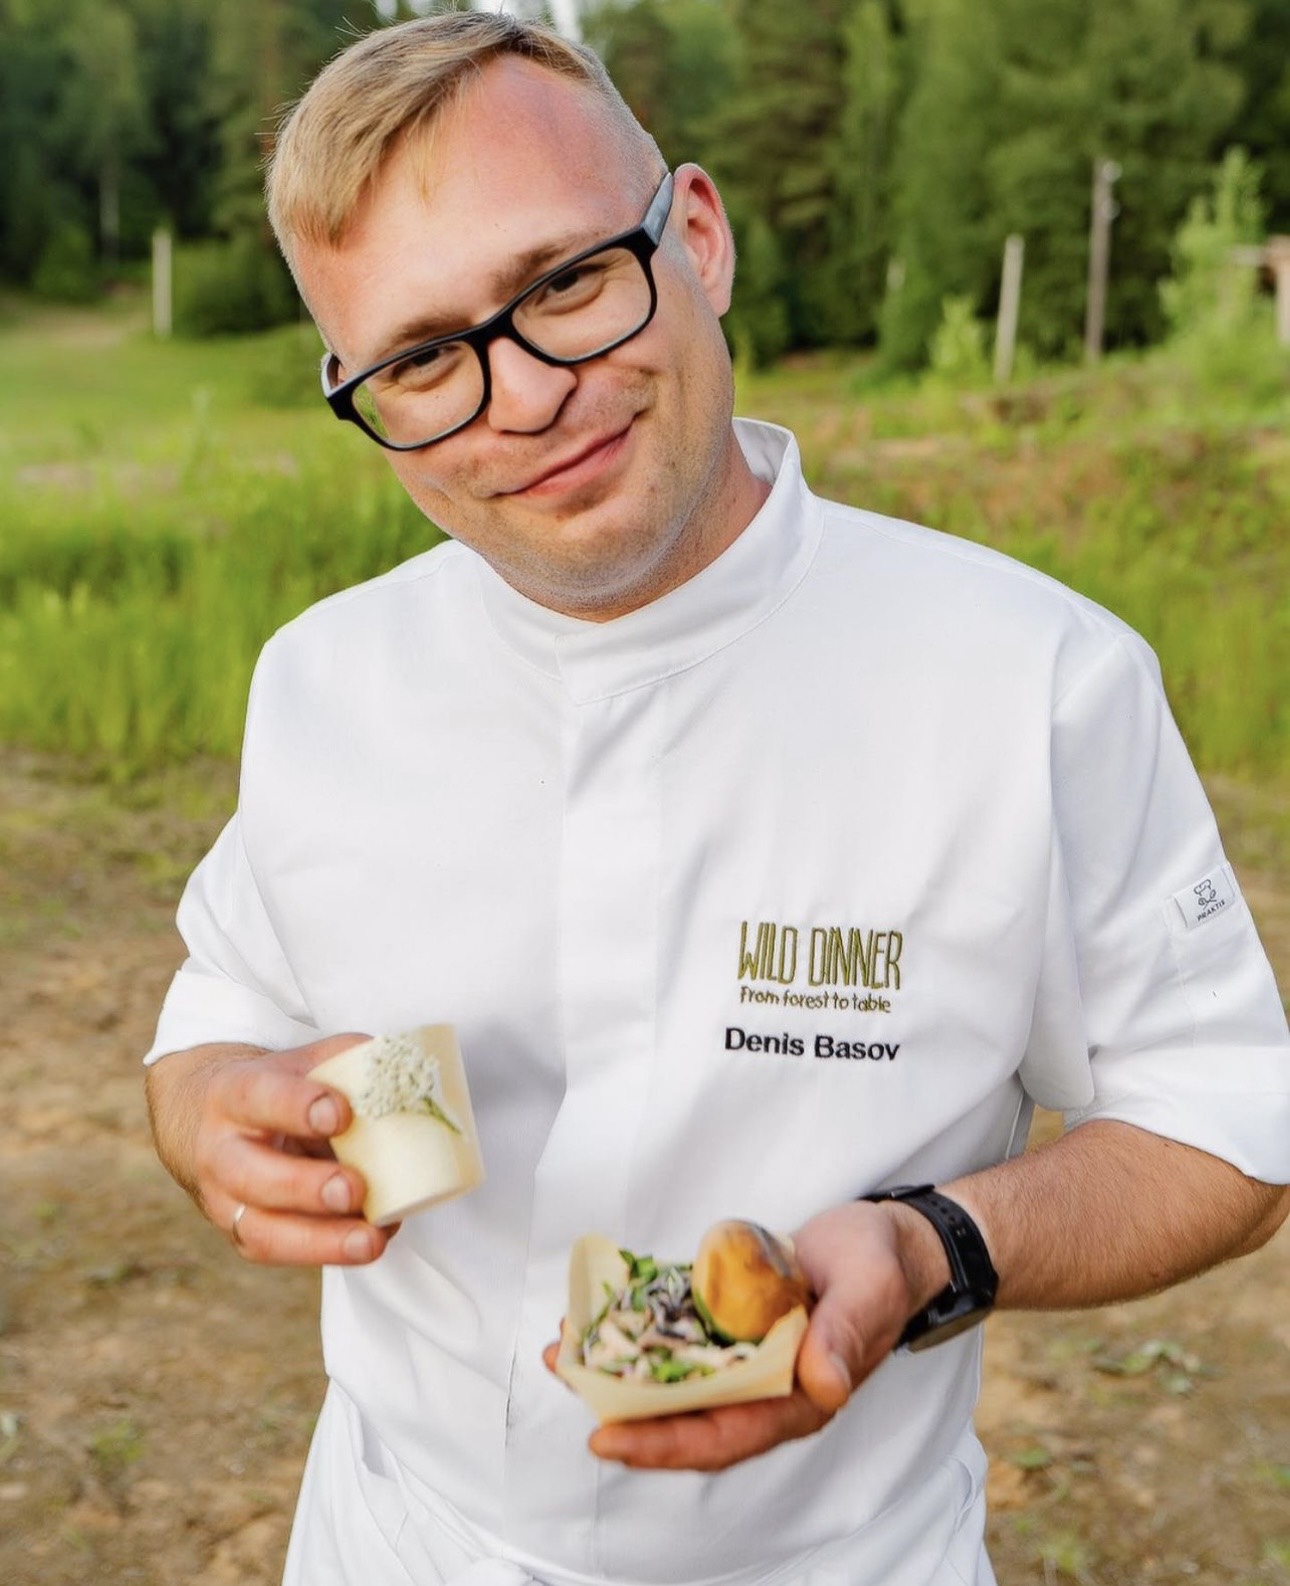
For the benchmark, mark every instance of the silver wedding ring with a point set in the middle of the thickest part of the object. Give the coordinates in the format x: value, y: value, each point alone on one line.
x: 235, y: 1227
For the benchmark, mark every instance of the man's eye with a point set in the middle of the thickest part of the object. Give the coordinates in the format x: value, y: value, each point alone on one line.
x: 428, y: 366
x: 571, y: 288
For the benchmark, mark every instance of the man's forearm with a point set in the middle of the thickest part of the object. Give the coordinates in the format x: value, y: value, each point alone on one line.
x: 1109, y: 1212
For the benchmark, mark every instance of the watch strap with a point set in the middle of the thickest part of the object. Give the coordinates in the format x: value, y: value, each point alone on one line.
x: 973, y: 1280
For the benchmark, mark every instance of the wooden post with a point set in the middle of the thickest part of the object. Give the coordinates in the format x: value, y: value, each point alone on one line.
x: 1277, y: 257
x: 1005, y: 334
x: 1105, y: 175
x: 1274, y: 255
x: 162, y: 272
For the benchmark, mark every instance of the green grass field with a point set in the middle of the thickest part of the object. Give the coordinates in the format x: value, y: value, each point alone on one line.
x: 164, y: 507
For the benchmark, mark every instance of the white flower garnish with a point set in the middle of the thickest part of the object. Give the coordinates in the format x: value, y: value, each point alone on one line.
x: 402, y: 1076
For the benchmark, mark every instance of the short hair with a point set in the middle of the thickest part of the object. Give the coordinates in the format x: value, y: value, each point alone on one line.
x: 394, y: 83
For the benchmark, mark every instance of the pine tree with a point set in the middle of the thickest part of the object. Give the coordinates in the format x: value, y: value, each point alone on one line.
x: 944, y: 230
x: 860, y: 226
x: 1264, y: 125
x: 780, y: 130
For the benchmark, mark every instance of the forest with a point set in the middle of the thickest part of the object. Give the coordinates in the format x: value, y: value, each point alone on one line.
x: 874, y: 154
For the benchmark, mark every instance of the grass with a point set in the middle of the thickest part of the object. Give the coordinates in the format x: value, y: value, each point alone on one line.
x: 115, y: 1447
x: 164, y: 510
x: 164, y: 507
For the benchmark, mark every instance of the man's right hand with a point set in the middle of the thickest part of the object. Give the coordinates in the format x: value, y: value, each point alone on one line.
x: 247, y: 1134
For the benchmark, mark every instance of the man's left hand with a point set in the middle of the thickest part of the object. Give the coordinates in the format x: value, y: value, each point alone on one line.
x: 870, y: 1270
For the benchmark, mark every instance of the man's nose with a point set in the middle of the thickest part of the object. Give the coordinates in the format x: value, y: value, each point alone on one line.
x: 527, y: 394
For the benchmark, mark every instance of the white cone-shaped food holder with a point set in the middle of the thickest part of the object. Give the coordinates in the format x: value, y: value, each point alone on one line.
x: 596, y: 1269
x: 413, y: 1135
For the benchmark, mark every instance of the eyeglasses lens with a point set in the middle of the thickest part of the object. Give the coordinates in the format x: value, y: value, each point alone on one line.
x: 585, y: 310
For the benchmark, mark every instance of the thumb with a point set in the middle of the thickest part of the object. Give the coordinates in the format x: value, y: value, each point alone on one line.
x: 854, y: 1327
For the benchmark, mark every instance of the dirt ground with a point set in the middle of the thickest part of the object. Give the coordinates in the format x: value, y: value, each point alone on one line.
x: 156, y: 1393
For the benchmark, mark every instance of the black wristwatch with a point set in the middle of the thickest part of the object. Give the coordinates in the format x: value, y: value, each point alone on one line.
x: 969, y: 1295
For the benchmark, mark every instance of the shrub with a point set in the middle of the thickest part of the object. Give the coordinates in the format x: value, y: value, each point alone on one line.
x: 957, y: 350
x: 231, y: 288
x: 67, y: 271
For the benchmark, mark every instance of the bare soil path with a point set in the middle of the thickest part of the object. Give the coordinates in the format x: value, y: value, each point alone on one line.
x: 156, y: 1394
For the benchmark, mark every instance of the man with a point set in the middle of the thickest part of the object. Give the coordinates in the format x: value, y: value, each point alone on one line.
x: 765, y: 854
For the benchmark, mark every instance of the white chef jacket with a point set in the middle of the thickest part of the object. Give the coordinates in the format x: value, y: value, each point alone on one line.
x: 812, y: 876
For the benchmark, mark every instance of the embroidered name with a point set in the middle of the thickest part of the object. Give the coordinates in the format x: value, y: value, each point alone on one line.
x: 822, y: 1045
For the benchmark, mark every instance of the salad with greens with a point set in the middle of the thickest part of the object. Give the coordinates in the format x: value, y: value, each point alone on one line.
x: 651, y: 1328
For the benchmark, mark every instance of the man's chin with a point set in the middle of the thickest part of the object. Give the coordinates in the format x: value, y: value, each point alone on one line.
x: 595, y: 589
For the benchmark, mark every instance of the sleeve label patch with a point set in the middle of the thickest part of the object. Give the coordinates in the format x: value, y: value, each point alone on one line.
x: 1208, y: 897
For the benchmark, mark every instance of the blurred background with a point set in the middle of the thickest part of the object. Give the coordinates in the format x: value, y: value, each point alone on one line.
x: 1020, y: 271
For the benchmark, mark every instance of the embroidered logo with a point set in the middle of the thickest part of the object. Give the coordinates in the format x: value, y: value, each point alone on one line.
x: 1208, y: 897
x: 816, y: 956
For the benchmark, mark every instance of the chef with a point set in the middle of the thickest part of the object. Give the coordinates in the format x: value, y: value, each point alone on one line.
x: 771, y: 859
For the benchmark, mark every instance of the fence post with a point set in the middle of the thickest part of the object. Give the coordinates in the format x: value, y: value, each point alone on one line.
x: 1105, y: 175
x: 1277, y: 254
x: 162, y: 284
x: 1005, y: 335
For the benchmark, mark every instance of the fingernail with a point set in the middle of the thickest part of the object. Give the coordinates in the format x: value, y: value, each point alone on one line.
x: 358, y: 1245
x: 323, y: 1116
x: 841, y: 1370
x: 335, y: 1193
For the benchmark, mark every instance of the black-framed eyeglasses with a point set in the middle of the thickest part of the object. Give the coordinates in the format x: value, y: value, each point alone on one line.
x: 584, y: 307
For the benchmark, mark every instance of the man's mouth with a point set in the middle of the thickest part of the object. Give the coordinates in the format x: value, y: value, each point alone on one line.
x: 577, y: 468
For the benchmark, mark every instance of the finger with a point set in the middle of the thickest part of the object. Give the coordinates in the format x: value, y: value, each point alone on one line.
x: 255, y: 1171
x: 863, y: 1300
x: 710, y: 1440
x: 271, y: 1238
x: 850, y: 1336
x: 263, y: 1096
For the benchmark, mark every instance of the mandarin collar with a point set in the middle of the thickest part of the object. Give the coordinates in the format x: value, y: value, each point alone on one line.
x: 723, y: 601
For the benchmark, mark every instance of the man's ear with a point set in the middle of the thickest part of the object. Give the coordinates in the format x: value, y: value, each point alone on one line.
x: 703, y: 228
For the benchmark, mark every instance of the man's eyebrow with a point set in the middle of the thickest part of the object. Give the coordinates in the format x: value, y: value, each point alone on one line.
x: 517, y: 273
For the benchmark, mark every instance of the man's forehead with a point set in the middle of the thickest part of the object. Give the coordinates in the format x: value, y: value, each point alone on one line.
x: 523, y: 170
x: 516, y: 122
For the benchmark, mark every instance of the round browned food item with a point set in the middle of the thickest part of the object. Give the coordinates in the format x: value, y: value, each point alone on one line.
x: 744, y: 1279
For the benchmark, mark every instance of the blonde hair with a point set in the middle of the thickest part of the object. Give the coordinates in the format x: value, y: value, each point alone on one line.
x: 391, y: 84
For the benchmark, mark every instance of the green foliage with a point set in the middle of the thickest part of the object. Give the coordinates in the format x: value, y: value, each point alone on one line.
x: 757, y: 325
x: 874, y: 154
x: 778, y: 131
x: 1208, y: 294
x: 229, y: 288
x: 1263, y: 62
x: 861, y: 161
x: 66, y: 271
x: 132, y: 642
x: 115, y: 1447
x: 282, y: 368
x: 958, y: 345
x: 1219, y: 327
x: 1010, y: 107
x: 942, y: 237
x: 118, y: 114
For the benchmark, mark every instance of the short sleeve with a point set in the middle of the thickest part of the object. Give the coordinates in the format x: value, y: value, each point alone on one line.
x: 236, y: 985
x: 1184, y: 1028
